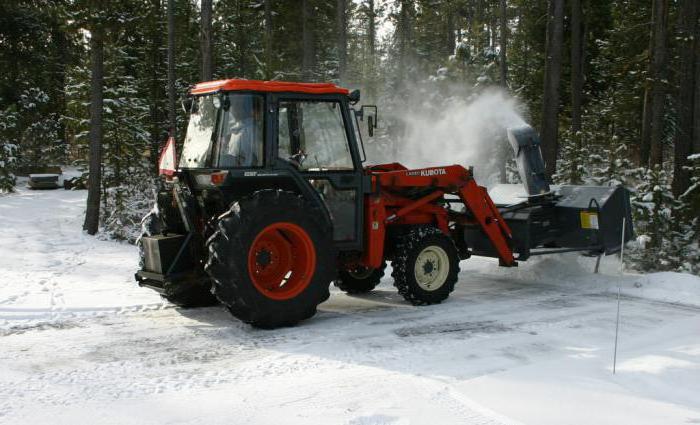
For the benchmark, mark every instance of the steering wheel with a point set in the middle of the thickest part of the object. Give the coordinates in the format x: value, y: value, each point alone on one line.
x: 298, y: 158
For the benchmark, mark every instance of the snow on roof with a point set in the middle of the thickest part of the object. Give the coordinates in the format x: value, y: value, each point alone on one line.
x: 43, y: 175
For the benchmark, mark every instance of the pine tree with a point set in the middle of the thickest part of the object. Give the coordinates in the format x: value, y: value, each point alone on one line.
x: 687, y: 219
x: 687, y: 24
x: 653, y: 207
x: 8, y: 148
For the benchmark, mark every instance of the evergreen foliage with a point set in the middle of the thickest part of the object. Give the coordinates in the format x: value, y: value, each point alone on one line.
x: 404, y: 54
x: 8, y: 148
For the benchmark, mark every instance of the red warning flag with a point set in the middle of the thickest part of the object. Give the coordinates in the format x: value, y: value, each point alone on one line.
x: 166, y: 164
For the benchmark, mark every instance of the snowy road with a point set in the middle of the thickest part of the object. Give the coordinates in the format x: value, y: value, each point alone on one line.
x: 80, y: 342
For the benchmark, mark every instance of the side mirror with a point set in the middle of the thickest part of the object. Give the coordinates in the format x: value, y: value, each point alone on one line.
x: 371, y: 118
x: 187, y: 104
x: 354, y: 96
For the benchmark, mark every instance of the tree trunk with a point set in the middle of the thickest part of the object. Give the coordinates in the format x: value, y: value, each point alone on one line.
x: 60, y: 38
x: 504, y: 42
x: 687, y: 23
x: 268, y: 39
x: 405, y: 35
x: 504, y: 151
x: 525, y: 52
x: 657, y: 88
x: 172, y: 124
x: 577, y: 46
x: 155, y: 69
x: 243, y: 45
x: 645, y: 142
x: 92, y: 212
x: 645, y: 139
x: 207, y: 70
x: 478, y: 27
x: 552, y: 78
x: 696, y: 126
x: 371, y: 45
x: 403, y: 22
x: 576, y: 65
x: 492, y: 29
x: 308, y: 44
x: 342, y: 29
x: 450, y: 42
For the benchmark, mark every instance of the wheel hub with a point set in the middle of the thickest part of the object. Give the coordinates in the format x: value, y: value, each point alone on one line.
x: 431, y: 268
x: 281, y: 261
x: 428, y: 267
x: 263, y: 258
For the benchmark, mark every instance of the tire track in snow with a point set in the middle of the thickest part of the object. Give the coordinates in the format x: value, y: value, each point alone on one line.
x: 468, y: 411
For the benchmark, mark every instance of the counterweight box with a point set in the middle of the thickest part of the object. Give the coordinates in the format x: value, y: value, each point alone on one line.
x: 160, y: 252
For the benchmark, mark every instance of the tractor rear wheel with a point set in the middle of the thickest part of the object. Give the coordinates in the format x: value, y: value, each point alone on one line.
x: 272, y: 259
x: 426, y: 265
x: 195, y: 292
x: 359, y: 280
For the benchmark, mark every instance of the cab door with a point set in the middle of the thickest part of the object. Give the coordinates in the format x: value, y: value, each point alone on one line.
x: 314, y: 134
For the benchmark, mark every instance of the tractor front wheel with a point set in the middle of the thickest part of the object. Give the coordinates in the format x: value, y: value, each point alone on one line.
x: 272, y: 259
x: 426, y: 265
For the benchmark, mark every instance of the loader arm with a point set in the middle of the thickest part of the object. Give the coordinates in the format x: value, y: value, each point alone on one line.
x: 455, y: 180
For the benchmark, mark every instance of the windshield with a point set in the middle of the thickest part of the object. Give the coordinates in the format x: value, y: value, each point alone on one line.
x: 199, y: 133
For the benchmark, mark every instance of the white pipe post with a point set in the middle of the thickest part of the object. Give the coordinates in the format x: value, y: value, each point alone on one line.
x: 617, y: 329
x: 622, y: 270
x: 622, y: 247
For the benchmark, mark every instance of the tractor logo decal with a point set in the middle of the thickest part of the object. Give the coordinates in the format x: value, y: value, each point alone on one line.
x: 428, y: 172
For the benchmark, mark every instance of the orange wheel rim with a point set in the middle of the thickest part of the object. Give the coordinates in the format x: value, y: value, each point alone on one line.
x: 281, y: 261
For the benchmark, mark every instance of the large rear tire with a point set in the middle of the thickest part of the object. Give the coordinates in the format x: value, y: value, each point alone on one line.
x: 272, y: 259
x: 426, y: 265
x: 192, y: 293
x: 359, y: 280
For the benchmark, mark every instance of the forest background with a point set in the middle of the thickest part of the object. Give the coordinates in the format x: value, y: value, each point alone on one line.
x: 613, y: 87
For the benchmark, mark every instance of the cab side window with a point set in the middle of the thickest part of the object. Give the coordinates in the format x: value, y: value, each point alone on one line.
x: 312, y: 136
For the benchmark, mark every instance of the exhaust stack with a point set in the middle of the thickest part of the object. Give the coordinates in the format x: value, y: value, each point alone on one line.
x: 526, y: 145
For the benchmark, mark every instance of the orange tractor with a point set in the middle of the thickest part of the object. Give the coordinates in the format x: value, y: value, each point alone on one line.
x: 270, y: 203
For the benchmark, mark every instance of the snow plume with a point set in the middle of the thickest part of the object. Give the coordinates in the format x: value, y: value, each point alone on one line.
x: 469, y: 130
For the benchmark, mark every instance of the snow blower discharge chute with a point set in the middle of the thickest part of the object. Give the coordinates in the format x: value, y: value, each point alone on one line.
x: 270, y: 203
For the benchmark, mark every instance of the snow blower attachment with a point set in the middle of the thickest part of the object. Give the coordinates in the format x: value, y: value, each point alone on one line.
x: 568, y: 218
x: 526, y: 145
x: 270, y: 203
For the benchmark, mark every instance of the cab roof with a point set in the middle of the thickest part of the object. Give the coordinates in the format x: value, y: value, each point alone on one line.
x: 266, y: 86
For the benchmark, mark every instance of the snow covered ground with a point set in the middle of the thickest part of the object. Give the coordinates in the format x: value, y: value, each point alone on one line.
x: 81, y: 343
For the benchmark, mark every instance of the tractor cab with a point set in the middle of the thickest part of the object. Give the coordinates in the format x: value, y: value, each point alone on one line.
x: 245, y: 135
